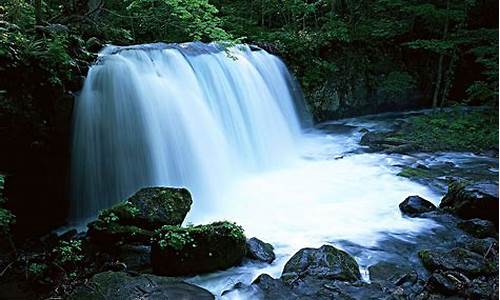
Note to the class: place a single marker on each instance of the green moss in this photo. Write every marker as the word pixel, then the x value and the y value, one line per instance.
pixel 409 172
pixel 179 238
pixel 452 131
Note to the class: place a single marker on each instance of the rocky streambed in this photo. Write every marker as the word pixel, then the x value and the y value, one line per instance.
pixel 144 248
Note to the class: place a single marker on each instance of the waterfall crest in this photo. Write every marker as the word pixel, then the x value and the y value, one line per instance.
pixel 188 115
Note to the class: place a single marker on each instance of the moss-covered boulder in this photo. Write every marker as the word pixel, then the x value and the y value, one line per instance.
pixel 120 285
pixel 476 200
pixel 324 263
pixel 197 249
pixel 134 220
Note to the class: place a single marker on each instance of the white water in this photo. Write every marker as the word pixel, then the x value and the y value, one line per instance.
pixel 230 130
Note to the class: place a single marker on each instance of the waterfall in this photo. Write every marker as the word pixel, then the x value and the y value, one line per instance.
pixel 192 115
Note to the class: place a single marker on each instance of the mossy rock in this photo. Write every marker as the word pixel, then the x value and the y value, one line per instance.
pixel 457 259
pixel 324 263
pixel 415 173
pixel 152 207
pixel 135 220
pixel 197 249
pixel 472 200
pixel 112 233
pixel 120 285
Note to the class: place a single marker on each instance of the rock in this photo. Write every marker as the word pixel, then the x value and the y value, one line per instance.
pixel 134 220
pixel 135 257
pixel 326 262
pixel 68 235
pixel 151 208
pixel 483 247
pixel 483 288
pixel 271 288
pixel 110 233
pixel 469 201
pixel 387 272
pixel 457 259
pixel 93 44
pixel 415 205
pixel 448 282
pixel 373 139
pixel 337 128
pixel 259 250
pixel 120 285
pixel 478 228
pixel 199 249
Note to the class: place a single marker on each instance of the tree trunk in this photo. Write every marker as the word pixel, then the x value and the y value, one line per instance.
pixel 441 60
pixel 38 12
pixel 450 76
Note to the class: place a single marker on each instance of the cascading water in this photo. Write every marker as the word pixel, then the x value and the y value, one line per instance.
pixel 179 115
pixel 230 128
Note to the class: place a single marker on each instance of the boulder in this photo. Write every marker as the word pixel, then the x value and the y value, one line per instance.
pixel 478 228
pixel 134 220
pixel 259 250
pixel 108 233
pixel 448 282
pixel 373 139
pixel 484 247
pixel 153 207
pixel 415 206
pixel 387 272
pixel 325 263
pixel 120 285
pixel 469 201
pixel 457 259
pixel 270 288
pixel 198 249
pixel 135 257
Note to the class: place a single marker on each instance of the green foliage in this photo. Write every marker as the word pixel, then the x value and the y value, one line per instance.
pixel 178 238
pixel 436 46
pixel 177 20
pixel 37 270
pixel 6 217
pixel 398 82
pixel 69 252
pixel 453 131
pixel 109 218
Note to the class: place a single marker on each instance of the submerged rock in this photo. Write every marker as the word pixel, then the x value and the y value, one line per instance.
pixel 415 205
pixel 479 228
pixel 120 285
pixel 326 262
pixel 259 250
pixel 134 220
pixel 468 201
pixel 456 259
pixel 199 249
